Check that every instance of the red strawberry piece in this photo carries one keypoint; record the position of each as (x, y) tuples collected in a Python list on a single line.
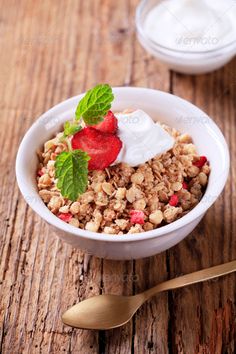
[(108, 125), (174, 200), (137, 217), (40, 173), (185, 186), (199, 163), (65, 216), (102, 148)]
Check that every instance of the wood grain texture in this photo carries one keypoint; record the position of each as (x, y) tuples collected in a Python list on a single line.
[(51, 50)]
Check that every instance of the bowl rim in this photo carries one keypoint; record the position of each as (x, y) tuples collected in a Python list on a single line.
[(198, 211), (207, 54)]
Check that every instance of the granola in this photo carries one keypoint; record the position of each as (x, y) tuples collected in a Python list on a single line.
[(159, 191)]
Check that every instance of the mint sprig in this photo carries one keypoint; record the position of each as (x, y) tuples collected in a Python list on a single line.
[(70, 128), (95, 104), (72, 173), (72, 166)]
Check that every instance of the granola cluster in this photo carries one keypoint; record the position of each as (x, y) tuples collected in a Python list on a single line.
[(164, 189)]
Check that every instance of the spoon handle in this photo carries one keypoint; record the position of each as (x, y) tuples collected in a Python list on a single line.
[(192, 278)]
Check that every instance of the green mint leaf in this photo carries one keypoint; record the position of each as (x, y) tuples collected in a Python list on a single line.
[(70, 128), (95, 104), (72, 173)]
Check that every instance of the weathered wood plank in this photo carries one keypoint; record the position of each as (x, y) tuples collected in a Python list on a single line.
[(114, 36), (204, 315), (151, 321)]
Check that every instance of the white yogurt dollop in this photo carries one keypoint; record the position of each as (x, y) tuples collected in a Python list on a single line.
[(142, 138), (192, 25)]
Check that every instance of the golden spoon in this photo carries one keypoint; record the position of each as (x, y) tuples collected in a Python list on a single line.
[(110, 311)]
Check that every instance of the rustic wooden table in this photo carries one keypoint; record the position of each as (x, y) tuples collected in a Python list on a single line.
[(51, 50)]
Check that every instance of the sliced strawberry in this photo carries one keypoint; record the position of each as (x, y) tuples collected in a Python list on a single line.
[(103, 148), (108, 125)]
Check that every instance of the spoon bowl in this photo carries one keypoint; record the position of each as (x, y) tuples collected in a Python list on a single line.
[(103, 311)]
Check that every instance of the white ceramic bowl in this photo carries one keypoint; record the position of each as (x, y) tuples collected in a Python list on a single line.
[(179, 60), (161, 106)]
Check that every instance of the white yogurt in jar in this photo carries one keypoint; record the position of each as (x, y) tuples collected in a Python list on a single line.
[(142, 138), (192, 25)]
